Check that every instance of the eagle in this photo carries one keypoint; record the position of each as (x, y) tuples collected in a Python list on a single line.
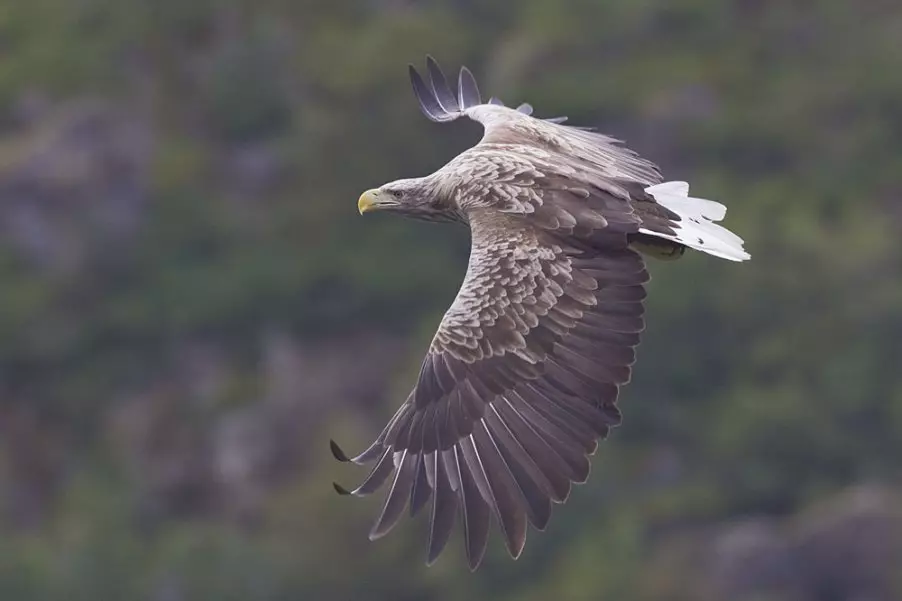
[(521, 379)]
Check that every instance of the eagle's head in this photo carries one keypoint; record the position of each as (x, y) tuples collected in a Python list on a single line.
[(415, 197)]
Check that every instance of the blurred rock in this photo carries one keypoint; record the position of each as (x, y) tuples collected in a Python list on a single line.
[(253, 169), (30, 466), (265, 443), (190, 452), (160, 441), (851, 546), (752, 556), (847, 548), (72, 178)]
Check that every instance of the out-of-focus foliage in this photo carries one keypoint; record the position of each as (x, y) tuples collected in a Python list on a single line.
[(191, 306)]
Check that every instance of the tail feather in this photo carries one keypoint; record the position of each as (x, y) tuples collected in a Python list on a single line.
[(697, 229)]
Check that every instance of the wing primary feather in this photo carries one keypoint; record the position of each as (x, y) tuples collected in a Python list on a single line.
[(583, 390), (410, 434), (608, 347), (471, 402), (377, 475), (444, 424), (428, 103), (440, 88), (458, 421), (533, 484), (617, 374), (588, 334), (430, 463), (507, 500), (443, 375), (581, 410), (552, 466), (337, 452), (612, 322), (430, 440), (570, 451), (467, 89), (561, 378), (477, 470), (449, 458), (396, 498), (475, 514), (621, 294), (398, 427), (530, 500), (420, 491), (444, 508), (570, 425), (371, 453), (428, 388)]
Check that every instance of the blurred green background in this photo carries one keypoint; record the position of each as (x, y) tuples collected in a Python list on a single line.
[(191, 306)]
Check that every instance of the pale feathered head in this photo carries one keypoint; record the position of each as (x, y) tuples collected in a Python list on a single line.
[(418, 198)]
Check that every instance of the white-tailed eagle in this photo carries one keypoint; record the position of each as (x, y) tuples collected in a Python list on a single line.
[(521, 379)]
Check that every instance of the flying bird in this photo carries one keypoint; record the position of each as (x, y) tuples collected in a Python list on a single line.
[(521, 379)]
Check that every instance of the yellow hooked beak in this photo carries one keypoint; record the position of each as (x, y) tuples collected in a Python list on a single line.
[(376, 199), (367, 201)]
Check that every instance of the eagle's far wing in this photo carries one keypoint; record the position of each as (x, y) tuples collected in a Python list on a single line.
[(504, 125), (518, 385)]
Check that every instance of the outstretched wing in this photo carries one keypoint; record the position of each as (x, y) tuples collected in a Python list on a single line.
[(666, 210), (518, 385), (504, 125)]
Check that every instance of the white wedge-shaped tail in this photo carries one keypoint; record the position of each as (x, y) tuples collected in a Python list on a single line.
[(697, 228)]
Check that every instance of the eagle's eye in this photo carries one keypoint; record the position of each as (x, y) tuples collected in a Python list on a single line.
[(395, 193)]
